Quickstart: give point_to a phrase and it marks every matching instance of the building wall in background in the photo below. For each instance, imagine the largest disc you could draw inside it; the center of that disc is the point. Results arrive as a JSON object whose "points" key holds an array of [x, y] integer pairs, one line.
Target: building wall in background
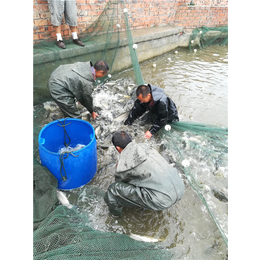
{"points": [[142, 14]]}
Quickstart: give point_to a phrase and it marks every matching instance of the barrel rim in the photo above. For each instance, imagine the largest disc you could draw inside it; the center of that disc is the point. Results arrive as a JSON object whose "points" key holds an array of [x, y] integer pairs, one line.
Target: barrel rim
{"points": [[58, 121]]}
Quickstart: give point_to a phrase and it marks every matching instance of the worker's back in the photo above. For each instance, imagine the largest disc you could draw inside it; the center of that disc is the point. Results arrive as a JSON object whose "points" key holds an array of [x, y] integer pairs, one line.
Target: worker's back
{"points": [[145, 167]]}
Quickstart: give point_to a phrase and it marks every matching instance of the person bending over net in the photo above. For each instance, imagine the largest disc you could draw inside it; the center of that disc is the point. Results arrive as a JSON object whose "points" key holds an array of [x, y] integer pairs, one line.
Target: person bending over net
{"points": [[143, 178], [77, 80], [162, 109]]}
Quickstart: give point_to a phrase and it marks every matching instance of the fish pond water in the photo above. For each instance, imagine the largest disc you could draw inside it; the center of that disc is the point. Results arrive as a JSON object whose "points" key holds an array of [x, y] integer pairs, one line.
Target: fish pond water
{"points": [[197, 83]]}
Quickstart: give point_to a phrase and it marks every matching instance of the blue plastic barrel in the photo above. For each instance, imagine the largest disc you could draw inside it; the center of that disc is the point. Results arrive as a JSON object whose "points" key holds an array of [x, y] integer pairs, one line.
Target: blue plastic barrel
{"points": [[77, 168]]}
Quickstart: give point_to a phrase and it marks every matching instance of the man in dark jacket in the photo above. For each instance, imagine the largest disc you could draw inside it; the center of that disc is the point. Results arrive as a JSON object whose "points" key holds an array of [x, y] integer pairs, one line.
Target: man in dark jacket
{"points": [[162, 109], [71, 81], [143, 178]]}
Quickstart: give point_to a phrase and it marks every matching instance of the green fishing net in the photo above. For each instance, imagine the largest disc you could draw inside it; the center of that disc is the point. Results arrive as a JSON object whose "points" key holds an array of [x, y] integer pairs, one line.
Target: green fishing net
{"points": [[204, 36], [109, 38], [59, 232], [44, 193], [62, 233], [66, 234], [201, 152]]}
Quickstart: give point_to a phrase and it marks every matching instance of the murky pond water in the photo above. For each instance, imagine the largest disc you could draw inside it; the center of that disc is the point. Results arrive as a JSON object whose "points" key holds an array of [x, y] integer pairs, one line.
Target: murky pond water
{"points": [[197, 83]]}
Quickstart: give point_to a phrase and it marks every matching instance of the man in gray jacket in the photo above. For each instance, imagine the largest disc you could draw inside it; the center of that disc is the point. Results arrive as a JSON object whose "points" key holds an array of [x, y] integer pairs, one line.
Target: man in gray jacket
{"points": [[143, 178], [71, 81]]}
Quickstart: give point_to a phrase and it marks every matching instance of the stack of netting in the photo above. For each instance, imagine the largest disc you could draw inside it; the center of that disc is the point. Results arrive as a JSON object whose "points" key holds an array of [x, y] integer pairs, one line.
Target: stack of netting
{"points": [[205, 36], [201, 152], [66, 234], [44, 193]]}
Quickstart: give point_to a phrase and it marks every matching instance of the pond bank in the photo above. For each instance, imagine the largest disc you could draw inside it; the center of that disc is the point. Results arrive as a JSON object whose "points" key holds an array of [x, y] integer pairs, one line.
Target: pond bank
{"points": [[151, 43]]}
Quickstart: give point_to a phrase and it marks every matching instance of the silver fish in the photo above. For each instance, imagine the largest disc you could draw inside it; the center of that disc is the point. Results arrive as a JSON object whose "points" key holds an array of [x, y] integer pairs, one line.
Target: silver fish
{"points": [[145, 238], [122, 96], [98, 132], [105, 105], [50, 105], [220, 195], [110, 83], [122, 117], [63, 199], [105, 145]]}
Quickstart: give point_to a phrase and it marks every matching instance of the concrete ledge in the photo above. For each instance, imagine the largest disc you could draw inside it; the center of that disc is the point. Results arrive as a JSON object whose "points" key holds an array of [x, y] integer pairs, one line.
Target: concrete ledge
{"points": [[97, 43], [151, 43]]}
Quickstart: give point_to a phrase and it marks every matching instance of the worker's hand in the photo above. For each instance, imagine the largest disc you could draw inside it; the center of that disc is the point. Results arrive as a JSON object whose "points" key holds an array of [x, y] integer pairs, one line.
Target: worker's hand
{"points": [[94, 115], [148, 135]]}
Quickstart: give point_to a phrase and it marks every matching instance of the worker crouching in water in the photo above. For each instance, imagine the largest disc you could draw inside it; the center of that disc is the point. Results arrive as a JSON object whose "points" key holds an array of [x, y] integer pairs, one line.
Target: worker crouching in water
{"points": [[143, 178], [162, 109], [76, 81]]}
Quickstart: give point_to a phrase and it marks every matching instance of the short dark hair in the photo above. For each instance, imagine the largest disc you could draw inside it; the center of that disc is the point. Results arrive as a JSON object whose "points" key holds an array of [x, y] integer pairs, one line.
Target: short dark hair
{"points": [[101, 65], [121, 139], [144, 90]]}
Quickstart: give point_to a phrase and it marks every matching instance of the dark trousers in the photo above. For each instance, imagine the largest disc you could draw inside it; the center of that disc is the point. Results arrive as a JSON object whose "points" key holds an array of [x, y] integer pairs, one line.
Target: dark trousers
{"points": [[120, 195]]}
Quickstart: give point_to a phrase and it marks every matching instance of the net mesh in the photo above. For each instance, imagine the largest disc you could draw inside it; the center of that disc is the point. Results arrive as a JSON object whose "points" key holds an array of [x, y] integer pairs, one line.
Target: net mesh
{"points": [[60, 233], [66, 234], [44, 193], [201, 152], [102, 40], [204, 36]]}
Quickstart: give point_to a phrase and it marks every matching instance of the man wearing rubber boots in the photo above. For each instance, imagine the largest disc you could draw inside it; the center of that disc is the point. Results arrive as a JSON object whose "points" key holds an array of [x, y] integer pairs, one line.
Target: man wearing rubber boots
{"points": [[75, 81], [143, 178], [162, 109]]}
